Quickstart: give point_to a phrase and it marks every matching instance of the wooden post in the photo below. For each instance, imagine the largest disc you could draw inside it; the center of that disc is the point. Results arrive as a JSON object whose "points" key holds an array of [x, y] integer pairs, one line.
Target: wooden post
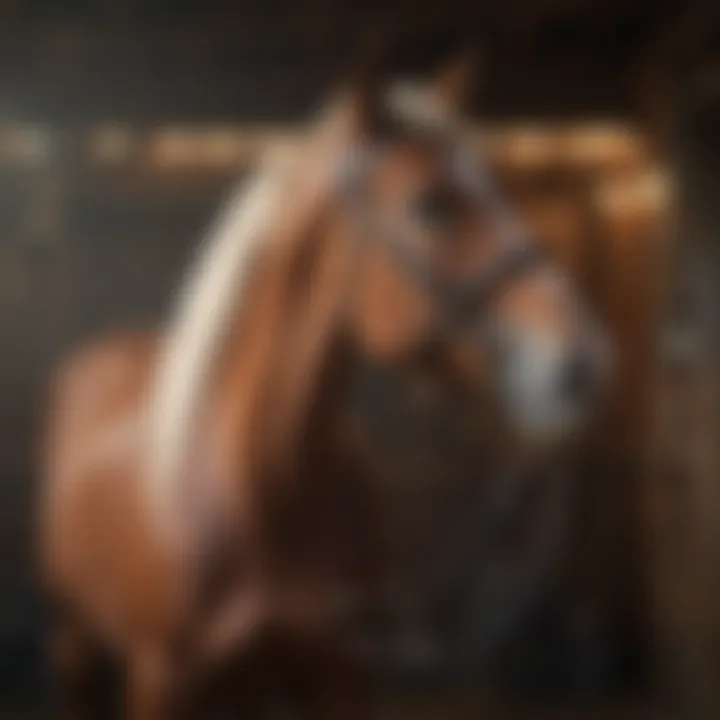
{"points": [[686, 508]]}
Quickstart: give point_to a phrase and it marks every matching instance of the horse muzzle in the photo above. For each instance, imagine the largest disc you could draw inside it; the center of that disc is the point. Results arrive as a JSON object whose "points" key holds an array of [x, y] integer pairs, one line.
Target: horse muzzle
{"points": [[549, 388]]}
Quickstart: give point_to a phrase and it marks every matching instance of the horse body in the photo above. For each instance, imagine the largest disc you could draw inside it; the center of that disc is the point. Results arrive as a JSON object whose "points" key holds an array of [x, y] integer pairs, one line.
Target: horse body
{"points": [[271, 530], [123, 589], [215, 563], [96, 536]]}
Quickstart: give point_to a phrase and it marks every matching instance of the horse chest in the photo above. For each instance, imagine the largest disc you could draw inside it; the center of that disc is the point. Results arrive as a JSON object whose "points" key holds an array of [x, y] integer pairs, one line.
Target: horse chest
{"points": [[421, 440], [468, 542]]}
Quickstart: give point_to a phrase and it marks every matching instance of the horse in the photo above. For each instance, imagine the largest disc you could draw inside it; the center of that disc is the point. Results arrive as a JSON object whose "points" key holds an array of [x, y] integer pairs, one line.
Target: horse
{"points": [[212, 515]]}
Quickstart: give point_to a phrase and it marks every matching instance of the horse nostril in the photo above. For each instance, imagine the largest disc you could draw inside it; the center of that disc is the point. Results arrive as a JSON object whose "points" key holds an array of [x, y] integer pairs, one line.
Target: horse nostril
{"points": [[578, 377]]}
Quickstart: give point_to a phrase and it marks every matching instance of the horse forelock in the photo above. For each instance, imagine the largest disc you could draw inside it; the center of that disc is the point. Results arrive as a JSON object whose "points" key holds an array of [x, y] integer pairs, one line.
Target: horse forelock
{"points": [[417, 107]]}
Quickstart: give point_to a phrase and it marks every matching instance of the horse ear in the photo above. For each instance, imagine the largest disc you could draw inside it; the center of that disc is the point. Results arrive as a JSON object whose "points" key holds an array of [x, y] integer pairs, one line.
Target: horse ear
{"points": [[367, 82], [455, 83]]}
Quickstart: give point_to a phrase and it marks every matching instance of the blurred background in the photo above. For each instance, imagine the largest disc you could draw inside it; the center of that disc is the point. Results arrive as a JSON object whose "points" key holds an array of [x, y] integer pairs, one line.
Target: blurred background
{"points": [[122, 124]]}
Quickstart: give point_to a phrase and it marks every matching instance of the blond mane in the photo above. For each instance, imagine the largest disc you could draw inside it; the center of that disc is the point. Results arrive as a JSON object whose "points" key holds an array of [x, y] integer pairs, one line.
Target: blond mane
{"points": [[213, 287], [209, 299]]}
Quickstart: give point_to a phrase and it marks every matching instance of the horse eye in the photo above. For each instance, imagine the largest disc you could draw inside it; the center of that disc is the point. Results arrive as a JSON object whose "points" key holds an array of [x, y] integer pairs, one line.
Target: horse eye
{"points": [[435, 207]]}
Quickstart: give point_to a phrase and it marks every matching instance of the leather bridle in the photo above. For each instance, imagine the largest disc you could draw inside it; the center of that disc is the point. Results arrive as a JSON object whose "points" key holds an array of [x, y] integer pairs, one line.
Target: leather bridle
{"points": [[459, 301]]}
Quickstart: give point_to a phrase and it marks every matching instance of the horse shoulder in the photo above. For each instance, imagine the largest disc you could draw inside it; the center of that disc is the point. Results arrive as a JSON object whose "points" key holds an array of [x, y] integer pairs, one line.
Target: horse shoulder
{"points": [[95, 538]]}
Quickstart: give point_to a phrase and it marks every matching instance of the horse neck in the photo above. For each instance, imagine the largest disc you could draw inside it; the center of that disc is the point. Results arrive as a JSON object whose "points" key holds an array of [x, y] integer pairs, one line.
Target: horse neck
{"points": [[280, 381]]}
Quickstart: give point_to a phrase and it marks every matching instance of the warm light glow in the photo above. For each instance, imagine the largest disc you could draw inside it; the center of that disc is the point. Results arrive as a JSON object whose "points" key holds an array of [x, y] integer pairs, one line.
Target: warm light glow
{"points": [[206, 148], [601, 146], [522, 147], [588, 146], [173, 147], [111, 144], [25, 145], [647, 192]]}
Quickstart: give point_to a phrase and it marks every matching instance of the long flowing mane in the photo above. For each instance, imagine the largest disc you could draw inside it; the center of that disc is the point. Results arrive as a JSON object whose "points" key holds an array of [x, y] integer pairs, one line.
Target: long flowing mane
{"points": [[213, 288], [213, 292]]}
